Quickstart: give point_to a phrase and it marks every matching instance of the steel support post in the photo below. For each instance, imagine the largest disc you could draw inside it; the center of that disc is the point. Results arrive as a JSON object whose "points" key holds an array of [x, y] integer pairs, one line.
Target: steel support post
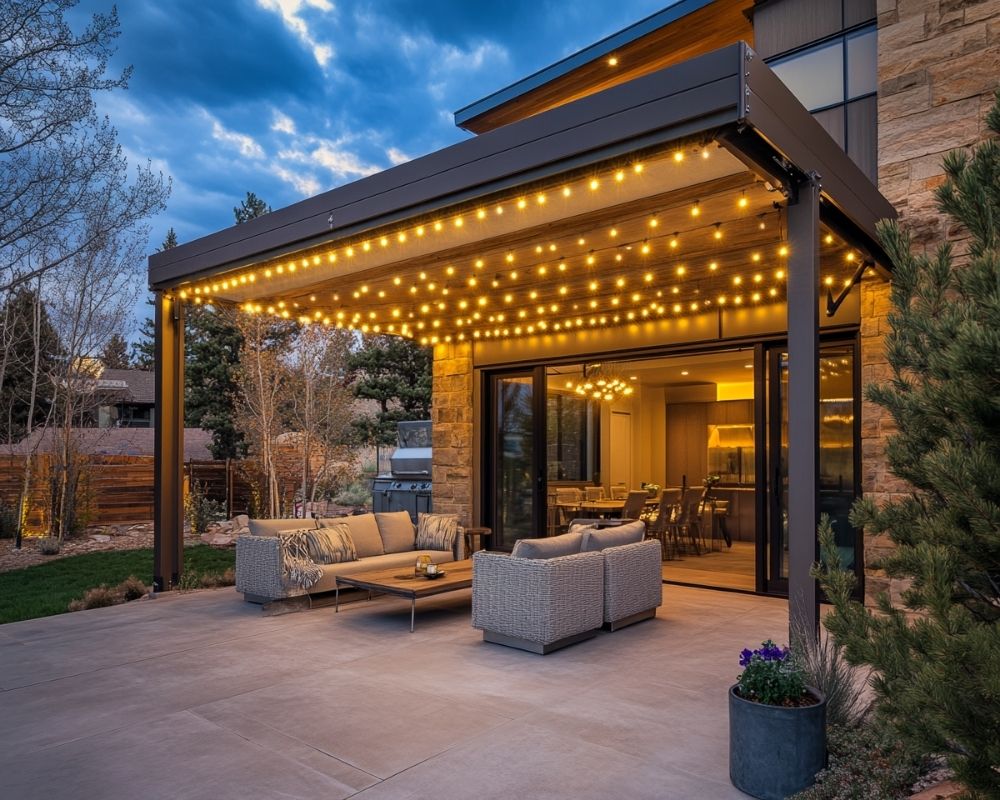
{"points": [[803, 405], [168, 446]]}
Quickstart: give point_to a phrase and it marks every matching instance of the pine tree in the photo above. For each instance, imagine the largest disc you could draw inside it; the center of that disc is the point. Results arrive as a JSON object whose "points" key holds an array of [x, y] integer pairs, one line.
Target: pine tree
{"points": [[25, 366], [936, 659], [144, 348], [115, 355], [396, 373], [212, 355]]}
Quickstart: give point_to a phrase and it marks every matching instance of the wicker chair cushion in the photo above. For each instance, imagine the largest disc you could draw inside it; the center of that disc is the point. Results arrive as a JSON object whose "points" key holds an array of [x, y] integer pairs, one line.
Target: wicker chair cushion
{"points": [[549, 547], [396, 529], [436, 531], [364, 533], [595, 539], [331, 545]]}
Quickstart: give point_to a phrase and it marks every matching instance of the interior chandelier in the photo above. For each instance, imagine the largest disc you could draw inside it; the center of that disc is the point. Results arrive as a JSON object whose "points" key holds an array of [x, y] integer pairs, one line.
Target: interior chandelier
{"points": [[599, 383]]}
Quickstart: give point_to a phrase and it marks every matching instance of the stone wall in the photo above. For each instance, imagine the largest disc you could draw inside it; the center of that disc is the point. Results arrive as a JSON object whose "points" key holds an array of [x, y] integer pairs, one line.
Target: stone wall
{"points": [[938, 66], [452, 414]]}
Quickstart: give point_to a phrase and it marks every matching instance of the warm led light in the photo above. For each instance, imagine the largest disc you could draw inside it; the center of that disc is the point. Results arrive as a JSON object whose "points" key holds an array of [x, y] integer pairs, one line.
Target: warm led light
{"points": [[718, 230], [522, 204], [654, 222], [479, 263], [637, 168], [593, 286], [850, 256], [674, 242], [755, 257], [780, 274], [566, 192], [613, 232], [737, 280], [743, 202], [783, 251], [681, 271], [620, 176], [420, 230], [695, 209], [644, 249], [704, 152], [510, 258], [594, 184], [713, 266], [613, 61], [481, 213], [678, 156], [829, 238], [828, 281], [648, 277], [438, 226], [620, 282]]}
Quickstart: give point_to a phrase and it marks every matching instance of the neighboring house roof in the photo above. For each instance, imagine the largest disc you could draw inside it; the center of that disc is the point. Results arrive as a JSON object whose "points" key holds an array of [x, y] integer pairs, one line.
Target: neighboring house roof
{"points": [[137, 385], [115, 442]]}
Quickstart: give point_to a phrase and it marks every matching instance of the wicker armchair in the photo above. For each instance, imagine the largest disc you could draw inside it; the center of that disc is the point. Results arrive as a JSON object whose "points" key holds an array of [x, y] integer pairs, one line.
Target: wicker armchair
{"points": [[539, 605], [633, 583]]}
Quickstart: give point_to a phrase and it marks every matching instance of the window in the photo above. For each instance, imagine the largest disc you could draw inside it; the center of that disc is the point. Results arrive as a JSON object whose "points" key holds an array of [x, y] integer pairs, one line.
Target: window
{"points": [[809, 75]]}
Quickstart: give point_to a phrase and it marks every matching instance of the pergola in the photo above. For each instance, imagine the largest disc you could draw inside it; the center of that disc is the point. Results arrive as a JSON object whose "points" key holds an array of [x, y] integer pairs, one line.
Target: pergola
{"points": [[692, 195]]}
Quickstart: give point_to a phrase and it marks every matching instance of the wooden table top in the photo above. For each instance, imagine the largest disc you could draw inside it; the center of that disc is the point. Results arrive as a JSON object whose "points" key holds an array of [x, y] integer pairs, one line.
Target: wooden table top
{"points": [[400, 581]]}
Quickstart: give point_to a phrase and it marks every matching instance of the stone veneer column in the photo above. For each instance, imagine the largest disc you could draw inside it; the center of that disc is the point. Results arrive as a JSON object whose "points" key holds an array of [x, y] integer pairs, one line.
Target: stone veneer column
{"points": [[452, 414], [938, 66]]}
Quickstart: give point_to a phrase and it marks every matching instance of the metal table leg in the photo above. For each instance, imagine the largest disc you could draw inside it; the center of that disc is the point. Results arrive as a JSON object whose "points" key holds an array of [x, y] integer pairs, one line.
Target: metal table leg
{"points": [[336, 587], [413, 612]]}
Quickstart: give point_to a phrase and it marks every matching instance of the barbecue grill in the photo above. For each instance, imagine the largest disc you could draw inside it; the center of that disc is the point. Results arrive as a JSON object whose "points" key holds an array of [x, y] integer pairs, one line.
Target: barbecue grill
{"points": [[407, 487]]}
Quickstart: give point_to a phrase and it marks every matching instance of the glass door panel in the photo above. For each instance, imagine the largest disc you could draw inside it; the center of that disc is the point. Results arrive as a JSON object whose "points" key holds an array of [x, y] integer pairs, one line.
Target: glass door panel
{"points": [[515, 466]]}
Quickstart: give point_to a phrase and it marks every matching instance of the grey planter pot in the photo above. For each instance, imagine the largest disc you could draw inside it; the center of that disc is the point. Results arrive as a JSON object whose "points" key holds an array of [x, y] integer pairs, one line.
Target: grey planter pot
{"points": [[775, 751]]}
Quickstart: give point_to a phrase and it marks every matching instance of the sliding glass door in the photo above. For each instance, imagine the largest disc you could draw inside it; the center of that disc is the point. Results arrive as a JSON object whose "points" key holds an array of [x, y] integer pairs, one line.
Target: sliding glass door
{"points": [[515, 500]]}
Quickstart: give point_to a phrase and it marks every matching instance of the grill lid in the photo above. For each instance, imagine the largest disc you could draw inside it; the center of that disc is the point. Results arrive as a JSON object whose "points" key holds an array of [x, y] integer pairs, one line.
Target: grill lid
{"points": [[413, 456]]}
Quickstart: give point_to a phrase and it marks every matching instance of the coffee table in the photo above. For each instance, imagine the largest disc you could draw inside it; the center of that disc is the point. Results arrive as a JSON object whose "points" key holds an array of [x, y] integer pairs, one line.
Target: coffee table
{"points": [[401, 582]]}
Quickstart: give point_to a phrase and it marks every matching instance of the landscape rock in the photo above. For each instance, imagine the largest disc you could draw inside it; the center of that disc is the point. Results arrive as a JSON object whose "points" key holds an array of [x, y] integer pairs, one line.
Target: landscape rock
{"points": [[101, 537]]}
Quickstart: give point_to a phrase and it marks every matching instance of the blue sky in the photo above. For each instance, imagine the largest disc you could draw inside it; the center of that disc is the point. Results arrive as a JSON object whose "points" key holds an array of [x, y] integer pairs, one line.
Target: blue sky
{"points": [[288, 98]]}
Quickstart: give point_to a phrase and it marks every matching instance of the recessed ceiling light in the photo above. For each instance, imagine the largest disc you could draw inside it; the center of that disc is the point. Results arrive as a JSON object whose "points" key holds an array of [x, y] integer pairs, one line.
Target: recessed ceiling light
{"points": [[633, 377], [684, 372], [748, 366]]}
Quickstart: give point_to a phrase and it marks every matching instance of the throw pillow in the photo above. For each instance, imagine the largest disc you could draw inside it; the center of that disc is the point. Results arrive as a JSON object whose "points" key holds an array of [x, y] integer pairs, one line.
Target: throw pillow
{"points": [[331, 545], [297, 568], [396, 529], [364, 533], [436, 531]]}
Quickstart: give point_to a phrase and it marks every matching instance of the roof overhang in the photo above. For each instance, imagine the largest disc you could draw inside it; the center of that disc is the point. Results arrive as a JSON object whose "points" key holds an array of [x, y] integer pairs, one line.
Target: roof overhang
{"points": [[683, 29], [336, 247]]}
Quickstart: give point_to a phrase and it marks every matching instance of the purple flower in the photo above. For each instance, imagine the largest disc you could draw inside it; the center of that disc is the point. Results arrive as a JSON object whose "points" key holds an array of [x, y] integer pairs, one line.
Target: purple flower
{"points": [[745, 656]]}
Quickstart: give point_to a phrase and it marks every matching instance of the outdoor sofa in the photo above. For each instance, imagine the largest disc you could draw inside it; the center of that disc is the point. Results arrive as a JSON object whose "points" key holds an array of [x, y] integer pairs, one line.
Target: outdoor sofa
{"points": [[382, 541], [555, 591]]}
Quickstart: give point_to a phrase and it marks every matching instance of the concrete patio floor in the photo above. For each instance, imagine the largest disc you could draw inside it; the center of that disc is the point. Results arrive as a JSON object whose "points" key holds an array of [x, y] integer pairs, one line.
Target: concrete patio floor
{"points": [[201, 696]]}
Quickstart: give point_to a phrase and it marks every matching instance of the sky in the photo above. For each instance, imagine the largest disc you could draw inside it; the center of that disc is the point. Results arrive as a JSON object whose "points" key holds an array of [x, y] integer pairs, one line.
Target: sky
{"points": [[289, 98]]}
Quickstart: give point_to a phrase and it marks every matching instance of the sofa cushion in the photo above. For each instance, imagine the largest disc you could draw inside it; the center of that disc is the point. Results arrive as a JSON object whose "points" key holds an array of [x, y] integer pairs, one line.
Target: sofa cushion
{"points": [[364, 533], [549, 547], [436, 531], [270, 527], [331, 545], [599, 538], [397, 531]]}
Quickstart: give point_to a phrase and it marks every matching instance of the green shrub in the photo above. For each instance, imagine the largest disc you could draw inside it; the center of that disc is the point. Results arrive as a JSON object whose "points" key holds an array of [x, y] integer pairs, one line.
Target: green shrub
{"points": [[867, 762], [356, 494], [200, 511], [49, 546], [8, 520], [822, 660]]}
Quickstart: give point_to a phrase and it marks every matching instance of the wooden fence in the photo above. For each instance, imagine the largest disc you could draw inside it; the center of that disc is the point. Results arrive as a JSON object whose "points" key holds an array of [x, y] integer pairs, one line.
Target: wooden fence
{"points": [[117, 490]]}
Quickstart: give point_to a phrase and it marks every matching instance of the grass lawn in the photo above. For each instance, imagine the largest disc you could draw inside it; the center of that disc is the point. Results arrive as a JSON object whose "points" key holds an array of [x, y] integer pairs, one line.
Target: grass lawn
{"points": [[46, 589]]}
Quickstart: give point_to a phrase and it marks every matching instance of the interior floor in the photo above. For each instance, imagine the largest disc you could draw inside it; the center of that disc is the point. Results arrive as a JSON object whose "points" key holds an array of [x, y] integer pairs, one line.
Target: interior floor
{"points": [[729, 568]]}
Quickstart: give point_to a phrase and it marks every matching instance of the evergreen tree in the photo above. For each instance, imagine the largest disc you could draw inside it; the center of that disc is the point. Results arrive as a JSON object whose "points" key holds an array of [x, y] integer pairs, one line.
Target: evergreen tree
{"points": [[250, 208], [936, 659], [144, 348], [212, 349], [25, 367], [115, 355], [396, 373]]}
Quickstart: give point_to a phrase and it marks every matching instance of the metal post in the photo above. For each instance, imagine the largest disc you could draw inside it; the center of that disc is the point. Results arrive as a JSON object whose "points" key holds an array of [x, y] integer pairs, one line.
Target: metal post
{"points": [[168, 443], [803, 405]]}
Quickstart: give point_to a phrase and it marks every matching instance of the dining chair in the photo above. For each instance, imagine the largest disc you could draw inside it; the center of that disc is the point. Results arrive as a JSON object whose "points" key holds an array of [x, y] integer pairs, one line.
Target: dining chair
{"points": [[687, 523], [594, 493], [659, 527], [635, 503], [619, 491]]}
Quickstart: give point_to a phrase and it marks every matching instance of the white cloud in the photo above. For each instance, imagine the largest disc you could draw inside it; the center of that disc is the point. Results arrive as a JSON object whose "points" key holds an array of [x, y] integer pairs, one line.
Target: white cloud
{"points": [[331, 155], [306, 185], [397, 156], [246, 145], [283, 123], [290, 11]]}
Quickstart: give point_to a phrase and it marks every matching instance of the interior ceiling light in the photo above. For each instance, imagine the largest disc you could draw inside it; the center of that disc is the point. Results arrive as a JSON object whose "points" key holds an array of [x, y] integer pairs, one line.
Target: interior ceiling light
{"points": [[599, 382]]}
